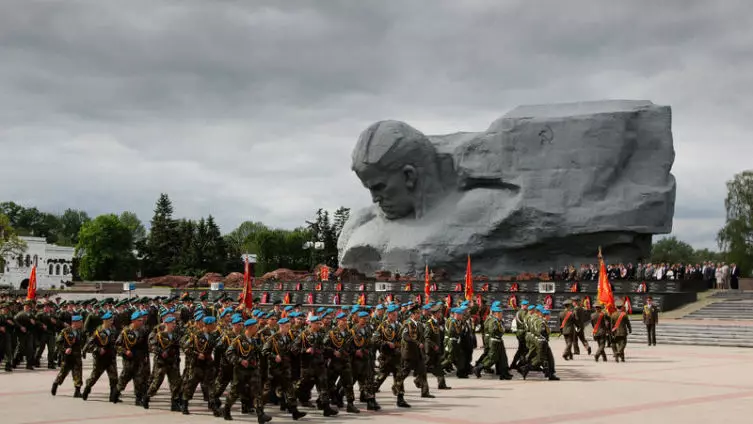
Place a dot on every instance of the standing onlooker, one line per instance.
(719, 275)
(650, 319)
(734, 274)
(725, 276)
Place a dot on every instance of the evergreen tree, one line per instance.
(161, 249)
(216, 247)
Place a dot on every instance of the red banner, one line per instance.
(427, 284)
(31, 291)
(247, 296)
(468, 280)
(605, 295)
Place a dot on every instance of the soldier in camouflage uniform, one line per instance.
(362, 364)
(198, 348)
(433, 348)
(6, 335)
(310, 348)
(620, 330)
(277, 350)
(338, 350)
(244, 354)
(455, 353)
(101, 345)
(601, 328)
(70, 341)
(25, 323)
(387, 339)
(496, 355)
(412, 357)
(165, 345)
(47, 322)
(225, 375)
(133, 346)
(520, 333)
(568, 323)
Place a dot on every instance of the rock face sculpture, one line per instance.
(543, 186)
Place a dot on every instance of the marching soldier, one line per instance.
(69, 342)
(310, 348)
(582, 317)
(165, 345)
(362, 365)
(101, 345)
(568, 324)
(497, 355)
(244, 354)
(520, 333)
(133, 346)
(433, 348)
(387, 340)
(411, 357)
(620, 330)
(601, 328)
(6, 337)
(25, 326)
(46, 336)
(277, 350)
(339, 349)
(198, 348)
(225, 375)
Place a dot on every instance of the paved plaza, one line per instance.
(683, 384)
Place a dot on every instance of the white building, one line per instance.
(54, 265)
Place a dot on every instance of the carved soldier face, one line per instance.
(392, 191)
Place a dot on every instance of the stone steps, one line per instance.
(735, 309)
(697, 334)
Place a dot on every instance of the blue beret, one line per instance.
(320, 309)
(172, 310)
(169, 320)
(496, 302)
(341, 315)
(249, 322)
(380, 306)
(330, 310)
(524, 302)
(363, 314)
(314, 318)
(288, 308)
(294, 315)
(496, 309)
(546, 312)
(107, 316)
(76, 318)
(269, 315)
(209, 320)
(393, 308)
(354, 308)
(237, 319)
(283, 321)
(136, 315)
(225, 312)
(465, 302)
(426, 307)
(198, 317)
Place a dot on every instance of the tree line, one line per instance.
(118, 247)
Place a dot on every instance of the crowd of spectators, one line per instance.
(717, 275)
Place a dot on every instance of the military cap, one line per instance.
(107, 316)
(237, 319)
(250, 322)
(209, 320)
(393, 308)
(136, 315)
(163, 312)
(363, 314)
(198, 317)
(320, 309)
(379, 307)
(495, 303)
(295, 314)
(314, 318)
(546, 312)
(169, 320)
(435, 308)
(524, 302)
(341, 315)
(225, 312)
(288, 308)
(330, 310)
(426, 307)
(355, 308)
(598, 306)
(76, 318)
(283, 321)
(237, 314)
(496, 309)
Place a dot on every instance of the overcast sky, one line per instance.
(248, 110)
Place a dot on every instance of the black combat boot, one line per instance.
(216, 407)
(116, 396)
(339, 401)
(443, 384)
(427, 395)
(77, 393)
(297, 415)
(51, 366)
(351, 408)
(226, 414)
(401, 403)
(54, 390)
(85, 395)
(363, 398)
(261, 417)
(245, 408)
(8, 367)
(328, 410)
(184, 407)
(372, 405)
(139, 401)
(477, 371)
(174, 405)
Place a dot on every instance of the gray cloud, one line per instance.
(249, 110)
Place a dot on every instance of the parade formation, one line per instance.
(278, 355)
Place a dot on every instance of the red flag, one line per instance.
(247, 295)
(468, 281)
(605, 295)
(325, 273)
(427, 284)
(31, 291)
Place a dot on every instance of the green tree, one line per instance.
(10, 244)
(341, 217)
(216, 248)
(670, 250)
(132, 221)
(243, 240)
(70, 224)
(704, 255)
(105, 248)
(160, 250)
(736, 237)
(282, 249)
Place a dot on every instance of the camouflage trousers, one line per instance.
(196, 373)
(601, 344)
(103, 365)
(363, 373)
(389, 364)
(618, 346)
(496, 356)
(172, 371)
(46, 340)
(313, 375)
(246, 385)
(224, 378)
(416, 365)
(280, 379)
(6, 352)
(136, 369)
(433, 362)
(569, 340)
(341, 370)
(71, 364)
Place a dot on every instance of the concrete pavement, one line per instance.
(687, 384)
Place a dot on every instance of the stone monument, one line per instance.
(543, 187)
